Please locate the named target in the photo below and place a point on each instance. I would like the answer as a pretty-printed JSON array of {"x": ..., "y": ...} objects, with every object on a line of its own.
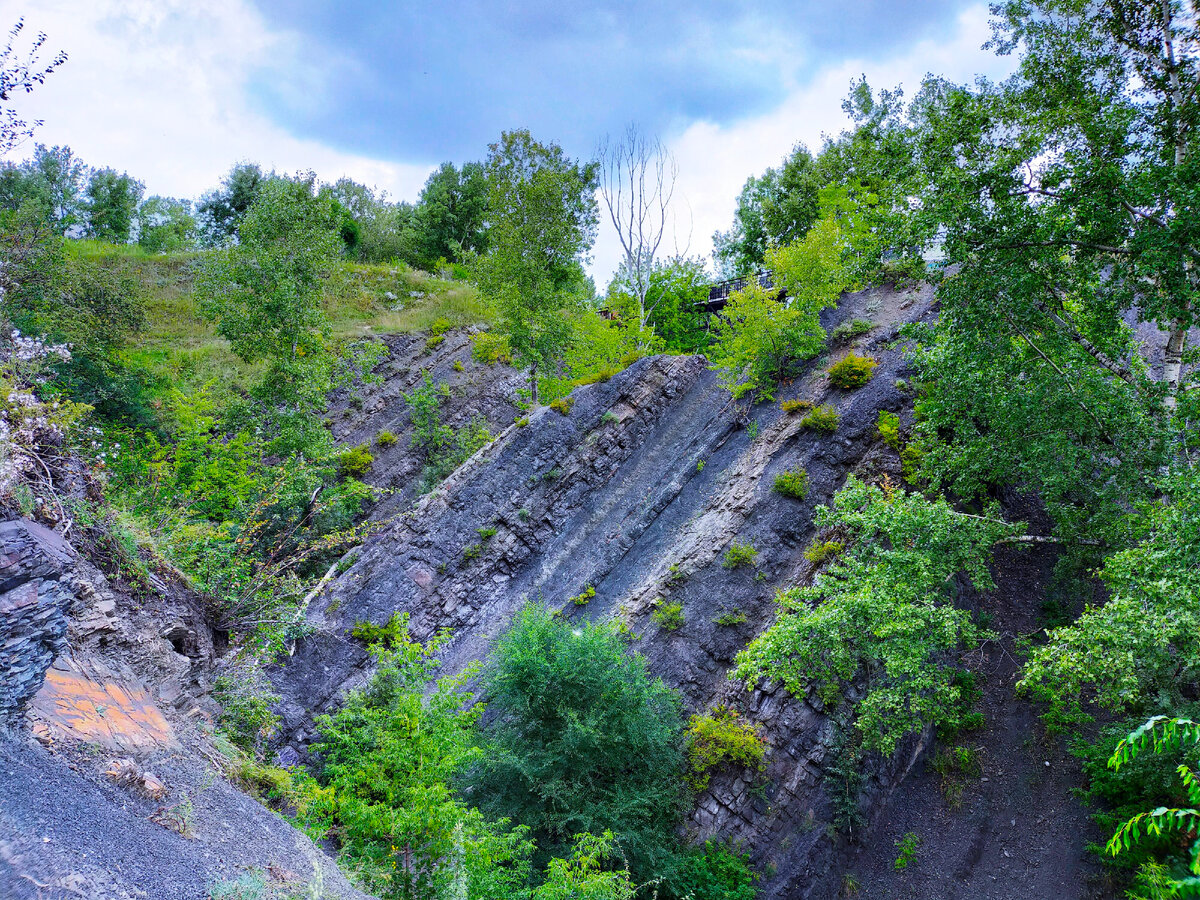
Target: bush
[
  {"x": 819, "y": 552},
  {"x": 732, "y": 617},
  {"x": 713, "y": 872},
  {"x": 669, "y": 616},
  {"x": 487, "y": 533},
  {"x": 582, "y": 598},
  {"x": 247, "y": 703},
  {"x": 390, "y": 635},
  {"x": 385, "y": 439},
  {"x": 852, "y": 371},
  {"x": 563, "y": 405},
  {"x": 458, "y": 366},
  {"x": 719, "y": 738},
  {"x": 355, "y": 462},
  {"x": 521, "y": 421},
  {"x": 578, "y": 716},
  {"x": 440, "y": 326},
  {"x": 792, "y": 484},
  {"x": 824, "y": 418},
  {"x": 490, "y": 349},
  {"x": 848, "y": 331},
  {"x": 795, "y": 406},
  {"x": 888, "y": 426},
  {"x": 740, "y": 555},
  {"x": 433, "y": 342}
]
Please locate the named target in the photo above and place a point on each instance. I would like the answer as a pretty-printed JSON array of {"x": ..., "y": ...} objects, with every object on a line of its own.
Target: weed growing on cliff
[
  {"x": 247, "y": 706},
  {"x": 740, "y": 554},
  {"x": 791, "y": 484},
  {"x": 734, "y": 616},
  {"x": 824, "y": 418},
  {"x": 669, "y": 616},
  {"x": 563, "y": 405},
  {"x": 719, "y": 738},
  {"x": 821, "y": 551},
  {"x": 584, "y": 596},
  {"x": 443, "y": 448},
  {"x": 848, "y": 331},
  {"x": 795, "y": 406},
  {"x": 907, "y": 846},
  {"x": 888, "y": 426},
  {"x": 490, "y": 348},
  {"x": 355, "y": 462},
  {"x": 385, "y": 439}
]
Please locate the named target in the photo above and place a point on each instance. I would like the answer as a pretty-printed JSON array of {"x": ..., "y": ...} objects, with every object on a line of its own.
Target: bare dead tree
[{"x": 637, "y": 182}]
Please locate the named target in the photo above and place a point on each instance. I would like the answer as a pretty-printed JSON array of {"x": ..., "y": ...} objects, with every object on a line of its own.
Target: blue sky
[
  {"x": 430, "y": 82},
  {"x": 176, "y": 91}
]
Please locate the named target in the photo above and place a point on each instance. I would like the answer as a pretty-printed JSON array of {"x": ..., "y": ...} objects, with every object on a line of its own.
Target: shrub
[
  {"x": 740, "y": 555},
  {"x": 521, "y": 421},
  {"x": 848, "y": 331},
  {"x": 792, "y": 484},
  {"x": 719, "y": 738},
  {"x": 852, "y": 371},
  {"x": 355, "y": 462},
  {"x": 819, "y": 552},
  {"x": 609, "y": 418},
  {"x": 888, "y": 426},
  {"x": 385, "y": 439},
  {"x": 699, "y": 465},
  {"x": 440, "y": 326},
  {"x": 795, "y": 406},
  {"x": 582, "y": 598},
  {"x": 563, "y": 405},
  {"x": 622, "y": 769},
  {"x": 433, "y": 342},
  {"x": 458, "y": 366},
  {"x": 713, "y": 872},
  {"x": 487, "y": 533},
  {"x": 390, "y": 635},
  {"x": 907, "y": 846},
  {"x": 823, "y": 418},
  {"x": 734, "y": 616},
  {"x": 490, "y": 349},
  {"x": 669, "y": 616},
  {"x": 471, "y": 551},
  {"x": 247, "y": 704}
]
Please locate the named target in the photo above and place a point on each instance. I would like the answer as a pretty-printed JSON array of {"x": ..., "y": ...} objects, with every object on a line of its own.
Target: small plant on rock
[
  {"x": 458, "y": 366},
  {"x": 888, "y": 426},
  {"x": 471, "y": 551},
  {"x": 852, "y": 371},
  {"x": 907, "y": 846},
  {"x": 609, "y": 418},
  {"x": 490, "y": 349},
  {"x": 433, "y": 342},
  {"x": 355, "y": 462},
  {"x": 795, "y": 406},
  {"x": 824, "y": 418},
  {"x": 719, "y": 738},
  {"x": 669, "y": 616},
  {"x": 385, "y": 439},
  {"x": 733, "y": 617},
  {"x": 822, "y": 550},
  {"x": 848, "y": 331},
  {"x": 792, "y": 484},
  {"x": 487, "y": 533},
  {"x": 740, "y": 554},
  {"x": 563, "y": 405},
  {"x": 584, "y": 596}
]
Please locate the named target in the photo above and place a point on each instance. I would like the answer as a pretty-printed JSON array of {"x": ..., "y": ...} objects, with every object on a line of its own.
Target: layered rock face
[
  {"x": 638, "y": 491},
  {"x": 35, "y": 601}
]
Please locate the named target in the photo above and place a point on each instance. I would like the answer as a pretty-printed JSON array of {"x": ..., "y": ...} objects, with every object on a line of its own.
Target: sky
[{"x": 176, "y": 91}]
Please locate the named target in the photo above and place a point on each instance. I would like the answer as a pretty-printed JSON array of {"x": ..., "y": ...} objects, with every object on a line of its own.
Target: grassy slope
[{"x": 183, "y": 351}]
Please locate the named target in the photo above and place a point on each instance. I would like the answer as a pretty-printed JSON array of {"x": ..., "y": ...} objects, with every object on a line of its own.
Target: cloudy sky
[{"x": 175, "y": 91}]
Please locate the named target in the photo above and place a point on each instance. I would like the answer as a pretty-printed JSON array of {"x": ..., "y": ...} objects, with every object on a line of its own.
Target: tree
[
  {"x": 542, "y": 213},
  {"x": 18, "y": 77},
  {"x": 49, "y": 185},
  {"x": 585, "y": 741},
  {"x": 221, "y": 210},
  {"x": 450, "y": 216},
  {"x": 775, "y": 208},
  {"x": 675, "y": 297},
  {"x": 761, "y": 336},
  {"x": 111, "y": 205},
  {"x": 881, "y": 613},
  {"x": 637, "y": 182},
  {"x": 264, "y": 296},
  {"x": 166, "y": 225}
]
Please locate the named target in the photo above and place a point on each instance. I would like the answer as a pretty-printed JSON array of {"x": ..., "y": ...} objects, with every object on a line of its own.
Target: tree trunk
[{"x": 533, "y": 383}]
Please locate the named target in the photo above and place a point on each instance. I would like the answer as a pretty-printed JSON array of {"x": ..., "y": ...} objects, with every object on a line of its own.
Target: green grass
[{"x": 181, "y": 350}]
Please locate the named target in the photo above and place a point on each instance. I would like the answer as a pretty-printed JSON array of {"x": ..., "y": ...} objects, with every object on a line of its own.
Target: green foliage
[
  {"x": 823, "y": 418},
  {"x": 739, "y": 554},
  {"x": 795, "y": 406},
  {"x": 562, "y": 405},
  {"x": 598, "y": 350},
  {"x": 907, "y": 846},
  {"x": 732, "y": 617},
  {"x": 669, "y": 616},
  {"x": 888, "y": 426},
  {"x": 433, "y": 342},
  {"x": 584, "y": 876},
  {"x": 610, "y": 418},
  {"x": 791, "y": 484},
  {"x": 449, "y": 221},
  {"x": 471, "y": 551},
  {"x": 1136, "y": 653},
  {"x": 355, "y": 462},
  {"x": 166, "y": 225},
  {"x": 721, "y": 738},
  {"x": 221, "y": 210},
  {"x": 443, "y": 448},
  {"x": 489, "y": 348},
  {"x": 391, "y": 635},
  {"x": 852, "y": 371},
  {"x": 542, "y": 217},
  {"x": 584, "y": 596},
  {"x": 579, "y": 717},
  {"x": 387, "y": 759},
  {"x": 487, "y": 532},
  {"x": 713, "y": 872},
  {"x": 247, "y": 703},
  {"x": 675, "y": 293},
  {"x": 881, "y": 611},
  {"x": 385, "y": 439},
  {"x": 111, "y": 204},
  {"x": 1156, "y": 735},
  {"x": 458, "y": 366},
  {"x": 247, "y": 886},
  {"x": 848, "y": 331}
]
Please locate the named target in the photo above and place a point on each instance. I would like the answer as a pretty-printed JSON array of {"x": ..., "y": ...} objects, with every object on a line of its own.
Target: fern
[{"x": 1157, "y": 734}]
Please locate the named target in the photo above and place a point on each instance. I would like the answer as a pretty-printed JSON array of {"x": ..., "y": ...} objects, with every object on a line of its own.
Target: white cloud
[
  {"x": 159, "y": 88},
  {"x": 715, "y": 160}
]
